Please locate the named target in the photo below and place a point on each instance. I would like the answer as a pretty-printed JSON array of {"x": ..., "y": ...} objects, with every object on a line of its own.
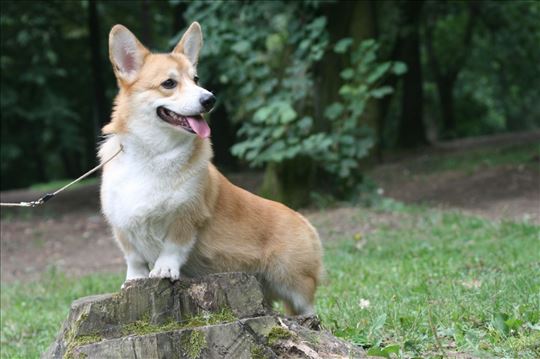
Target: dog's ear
[
  {"x": 191, "y": 43},
  {"x": 126, "y": 53}
]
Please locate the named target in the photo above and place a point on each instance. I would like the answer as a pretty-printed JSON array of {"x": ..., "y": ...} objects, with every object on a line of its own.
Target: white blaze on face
[{"x": 186, "y": 99}]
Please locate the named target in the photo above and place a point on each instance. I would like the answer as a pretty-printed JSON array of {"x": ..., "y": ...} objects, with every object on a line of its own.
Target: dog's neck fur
[
  {"x": 172, "y": 157},
  {"x": 152, "y": 143}
]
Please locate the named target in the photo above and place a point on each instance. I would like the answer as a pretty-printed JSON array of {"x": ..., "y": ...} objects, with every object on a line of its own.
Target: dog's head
[{"x": 159, "y": 93}]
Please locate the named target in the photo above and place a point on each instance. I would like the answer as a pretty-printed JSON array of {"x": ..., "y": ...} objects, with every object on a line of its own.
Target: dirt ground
[
  {"x": 70, "y": 233},
  {"x": 504, "y": 192}
]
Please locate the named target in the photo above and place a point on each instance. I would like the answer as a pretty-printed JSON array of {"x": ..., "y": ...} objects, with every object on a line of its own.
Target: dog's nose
[{"x": 208, "y": 101}]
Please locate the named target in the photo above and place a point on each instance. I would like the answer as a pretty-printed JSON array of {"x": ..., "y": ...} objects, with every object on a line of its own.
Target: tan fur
[
  {"x": 245, "y": 232},
  {"x": 235, "y": 230},
  {"x": 153, "y": 73}
]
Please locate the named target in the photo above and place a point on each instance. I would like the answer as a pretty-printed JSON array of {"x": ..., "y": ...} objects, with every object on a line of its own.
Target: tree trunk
[
  {"x": 363, "y": 27},
  {"x": 345, "y": 19},
  {"x": 289, "y": 182},
  {"x": 339, "y": 16},
  {"x": 386, "y": 102},
  {"x": 446, "y": 75},
  {"x": 146, "y": 21},
  {"x": 445, "y": 89},
  {"x": 100, "y": 111},
  {"x": 412, "y": 131},
  {"x": 178, "y": 22}
]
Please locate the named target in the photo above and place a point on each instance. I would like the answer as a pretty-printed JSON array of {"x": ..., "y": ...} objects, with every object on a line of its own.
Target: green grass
[
  {"x": 436, "y": 283},
  {"x": 54, "y": 185},
  {"x": 483, "y": 158},
  {"x": 31, "y": 313},
  {"x": 441, "y": 282}
]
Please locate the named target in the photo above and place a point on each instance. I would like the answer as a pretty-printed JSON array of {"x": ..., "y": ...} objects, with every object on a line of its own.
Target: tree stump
[{"x": 218, "y": 316}]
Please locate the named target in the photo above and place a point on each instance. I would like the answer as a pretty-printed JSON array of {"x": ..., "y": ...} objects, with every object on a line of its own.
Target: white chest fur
[{"x": 143, "y": 192}]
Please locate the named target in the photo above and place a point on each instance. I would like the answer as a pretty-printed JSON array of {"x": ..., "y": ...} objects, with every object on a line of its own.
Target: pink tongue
[{"x": 200, "y": 126}]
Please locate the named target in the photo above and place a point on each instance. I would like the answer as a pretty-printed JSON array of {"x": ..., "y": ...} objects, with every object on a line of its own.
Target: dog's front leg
[
  {"x": 171, "y": 258},
  {"x": 136, "y": 266}
]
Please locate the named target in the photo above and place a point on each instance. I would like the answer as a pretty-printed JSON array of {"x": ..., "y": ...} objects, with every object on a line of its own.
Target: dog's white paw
[
  {"x": 130, "y": 281},
  {"x": 166, "y": 269}
]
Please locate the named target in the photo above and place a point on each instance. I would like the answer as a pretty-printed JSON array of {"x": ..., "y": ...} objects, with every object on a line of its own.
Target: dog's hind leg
[
  {"x": 269, "y": 294},
  {"x": 299, "y": 300},
  {"x": 295, "y": 290}
]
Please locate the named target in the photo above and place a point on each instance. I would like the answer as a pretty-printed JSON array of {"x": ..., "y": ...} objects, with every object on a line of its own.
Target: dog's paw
[
  {"x": 166, "y": 270},
  {"x": 128, "y": 282}
]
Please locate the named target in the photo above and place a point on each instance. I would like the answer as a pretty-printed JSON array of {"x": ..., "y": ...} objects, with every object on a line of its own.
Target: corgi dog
[{"x": 171, "y": 211}]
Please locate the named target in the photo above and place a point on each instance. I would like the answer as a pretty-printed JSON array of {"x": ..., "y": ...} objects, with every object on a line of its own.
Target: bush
[{"x": 269, "y": 84}]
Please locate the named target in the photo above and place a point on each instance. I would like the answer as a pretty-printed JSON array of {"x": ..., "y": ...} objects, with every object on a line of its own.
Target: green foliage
[
  {"x": 449, "y": 27},
  {"x": 500, "y": 75},
  {"x": 39, "y": 113},
  {"x": 265, "y": 74},
  {"x": 279, "y": 131},
  {"x": 257, "y": 65},
  {"x": 267, "y": 78},
  {"x": 494, "y": 91},
  {"x": 350, "y": 140},
  {"x": 272, "y": 80},
  {"x": 49, "y": 125}
]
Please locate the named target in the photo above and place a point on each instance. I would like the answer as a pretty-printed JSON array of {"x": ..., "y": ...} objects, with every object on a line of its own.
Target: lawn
[
  {"x": 438, "y": 284},
  {"x": 32, "y": 313},
  {"x": 431, "y": 284}
]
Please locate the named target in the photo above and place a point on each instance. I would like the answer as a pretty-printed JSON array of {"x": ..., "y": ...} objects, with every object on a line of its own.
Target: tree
[
  {"x": 412, "y": 131},
  {"x": 306, "y": 132},
  {"x": 449, "y": 29},
  {"x": 101, "y": 114},
  {"x": 512, "y": 47},
  {"x": 42, "y": 127}
]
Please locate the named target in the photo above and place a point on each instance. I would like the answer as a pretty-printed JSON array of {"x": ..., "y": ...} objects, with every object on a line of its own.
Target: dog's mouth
[{"x": 193, "y": 124}]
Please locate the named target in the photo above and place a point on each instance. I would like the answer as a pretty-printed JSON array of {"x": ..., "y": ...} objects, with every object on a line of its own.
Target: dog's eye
[
  {"x": 169, "y": 84},
  {"x": 196, "y": 79}
]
